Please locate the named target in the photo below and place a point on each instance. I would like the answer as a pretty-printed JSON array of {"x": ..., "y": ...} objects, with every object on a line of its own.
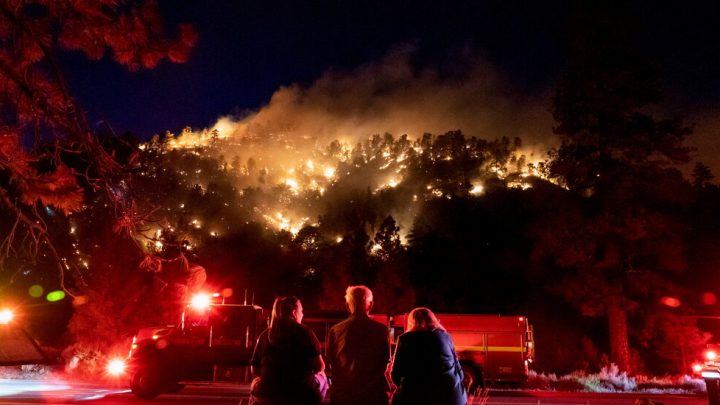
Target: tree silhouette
[
  {"x": 619, "y": 163},
  {"x": 702, "y": 175},
  {"x": 386, "y": 246},
  {"x": 392, "y": 288}
]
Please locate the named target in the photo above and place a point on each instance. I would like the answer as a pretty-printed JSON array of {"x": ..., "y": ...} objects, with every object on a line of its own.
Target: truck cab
[{"x": 210, "y": 343}]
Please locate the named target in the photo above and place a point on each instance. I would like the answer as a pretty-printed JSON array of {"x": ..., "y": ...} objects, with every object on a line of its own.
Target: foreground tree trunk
[{"x": 617, "y": 324}]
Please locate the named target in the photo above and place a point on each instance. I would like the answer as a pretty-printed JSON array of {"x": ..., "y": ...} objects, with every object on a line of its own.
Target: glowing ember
[
  {"x": 293, "y": 185},
  {"x": 519, "y": 184}
]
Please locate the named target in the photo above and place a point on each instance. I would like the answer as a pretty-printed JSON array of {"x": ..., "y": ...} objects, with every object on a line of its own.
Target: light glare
[
  {"x": 116, "y": 367},
  {"x": 6, "y": 316},
  {"x": 200, "y": 301}
]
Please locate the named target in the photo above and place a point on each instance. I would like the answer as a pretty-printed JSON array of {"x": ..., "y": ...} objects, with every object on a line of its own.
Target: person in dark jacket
[
  {"x": 358, "y": 354},
  {"x": 287, "y": 361},
  {"x": 425, "y": 367}
]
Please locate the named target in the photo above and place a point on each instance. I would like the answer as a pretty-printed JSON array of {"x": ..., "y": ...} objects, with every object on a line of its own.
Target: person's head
[
  {"x": 286, "y": 309},
  {"x": 359, "y": 299},
  {"x": 422, "y": 319}
]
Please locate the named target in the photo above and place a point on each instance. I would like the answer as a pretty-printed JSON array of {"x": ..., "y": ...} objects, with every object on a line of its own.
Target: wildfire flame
[{"x": 307, "y": 170}]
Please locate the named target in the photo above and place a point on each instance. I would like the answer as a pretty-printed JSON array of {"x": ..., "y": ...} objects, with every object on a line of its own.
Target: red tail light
[{"x": 710, "y": 355}]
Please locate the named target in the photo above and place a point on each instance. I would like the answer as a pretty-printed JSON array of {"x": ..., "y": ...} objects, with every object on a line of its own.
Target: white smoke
[{"x": 393, "y": 96}]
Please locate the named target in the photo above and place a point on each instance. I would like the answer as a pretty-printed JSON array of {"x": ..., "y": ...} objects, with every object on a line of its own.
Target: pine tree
[
  {"x": 49, "y": 155},
  {"x": 619, "y": 162}
]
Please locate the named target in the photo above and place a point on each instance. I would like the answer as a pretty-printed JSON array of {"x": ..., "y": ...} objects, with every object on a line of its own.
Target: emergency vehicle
[
  {"x": 492, "y": 348},
  {"x": 709, "y": 370},
  {"x": 212, "y": 337}
]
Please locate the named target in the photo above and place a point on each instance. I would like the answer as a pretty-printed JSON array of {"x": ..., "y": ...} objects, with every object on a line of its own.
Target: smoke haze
[{"x": 393, "y": 96}]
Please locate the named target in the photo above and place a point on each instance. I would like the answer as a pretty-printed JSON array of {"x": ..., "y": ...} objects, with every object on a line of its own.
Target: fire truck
[
  {"x": 492, "y": 348},
  {"x": 212, "y": 337},
  {"x": 709, "y": 370}
]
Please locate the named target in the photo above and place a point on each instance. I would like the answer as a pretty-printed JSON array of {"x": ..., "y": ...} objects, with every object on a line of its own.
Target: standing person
[
  {"x": 358, "y": 353},
  {"x": 425, "y": 367},
  {"x": 287, "y": 359}
]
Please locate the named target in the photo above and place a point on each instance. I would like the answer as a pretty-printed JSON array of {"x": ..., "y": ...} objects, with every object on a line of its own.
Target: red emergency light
[
  {"x": 6, "y": 316},
  {"x": 710, "y": 355},
  {"x": 201, "y": 301}
]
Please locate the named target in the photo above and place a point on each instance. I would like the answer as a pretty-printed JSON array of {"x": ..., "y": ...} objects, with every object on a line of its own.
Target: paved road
[{"x": 60, "y": 392}]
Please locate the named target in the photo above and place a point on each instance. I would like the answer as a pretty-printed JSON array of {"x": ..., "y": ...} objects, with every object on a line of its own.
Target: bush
[
  {"x": 26, "y": 372},
  {"x": 610, "y": 379}
]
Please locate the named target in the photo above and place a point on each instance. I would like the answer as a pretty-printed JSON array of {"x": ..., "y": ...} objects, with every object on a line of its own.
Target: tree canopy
[{"x": 51, "y": 159}]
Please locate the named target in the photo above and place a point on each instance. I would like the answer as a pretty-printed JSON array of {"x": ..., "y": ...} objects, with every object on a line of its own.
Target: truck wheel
[
  {"x": 472, "y": 378},
  {"x": 146, "y": 383}
]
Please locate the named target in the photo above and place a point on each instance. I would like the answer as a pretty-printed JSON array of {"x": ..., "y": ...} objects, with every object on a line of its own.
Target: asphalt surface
[{"x": 62, "y": 392}]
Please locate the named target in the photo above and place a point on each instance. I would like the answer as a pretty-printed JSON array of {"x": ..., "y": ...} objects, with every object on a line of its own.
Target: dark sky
[{"x": 248, "y": 49}]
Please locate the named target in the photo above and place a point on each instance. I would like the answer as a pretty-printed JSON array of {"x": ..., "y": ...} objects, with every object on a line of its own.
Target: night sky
[{"x": 247, "y": 50}]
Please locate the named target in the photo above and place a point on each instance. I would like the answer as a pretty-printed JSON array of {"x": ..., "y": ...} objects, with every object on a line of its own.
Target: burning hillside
[
  {"x": 312, "y": 149},
  {"x": 288, "y": 188}
]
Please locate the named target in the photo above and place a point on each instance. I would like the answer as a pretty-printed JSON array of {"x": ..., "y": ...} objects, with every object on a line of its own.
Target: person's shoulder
[
  {"x": 342, "y": 324},
  {"x": 262, "y": 339},
  {"x": 304, "y": 329},
  {"x": 376, "y": 324},
  {"x": 409, "y": 335},
  {"x": 442, "y": 334},
  {"x": 422, "y": 335}
]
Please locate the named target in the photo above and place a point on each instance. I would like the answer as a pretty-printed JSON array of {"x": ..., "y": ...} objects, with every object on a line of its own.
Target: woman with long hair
[
  {"x": 287, "y": 359},
  {"x": 425, "y": 367}
]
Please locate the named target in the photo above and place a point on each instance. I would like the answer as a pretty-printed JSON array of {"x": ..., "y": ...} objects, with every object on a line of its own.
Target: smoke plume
[{"x": 394, "y": 96}]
